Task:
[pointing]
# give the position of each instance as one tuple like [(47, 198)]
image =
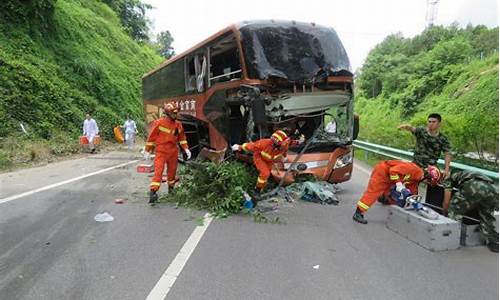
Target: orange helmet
[(169, 108), (279, 137), (434, 175)]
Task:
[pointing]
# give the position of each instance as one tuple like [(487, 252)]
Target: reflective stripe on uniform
[(183, 142), (266, 155), (277, 136), (150, 144), (362, 205), (277, 156), (244, 147), (154, 183), (407, 177), (165, 129), (260, 180), (394, 177)]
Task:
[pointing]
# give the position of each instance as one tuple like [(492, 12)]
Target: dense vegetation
[(60, 59), (450, 70)]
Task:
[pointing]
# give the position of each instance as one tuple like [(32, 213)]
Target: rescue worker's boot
[(358, 216), (153, 197), (383, 200), (493, 246), (256, 196)]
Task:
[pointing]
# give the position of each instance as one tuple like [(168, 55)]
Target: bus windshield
[(297, 52)]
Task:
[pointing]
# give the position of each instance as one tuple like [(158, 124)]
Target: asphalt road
[(51, 247)]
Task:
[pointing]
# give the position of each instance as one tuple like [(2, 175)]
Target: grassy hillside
[(59, 60), (451, 71)]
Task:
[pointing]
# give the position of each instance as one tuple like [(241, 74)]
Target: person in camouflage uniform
[(430, 143), (473, 191)]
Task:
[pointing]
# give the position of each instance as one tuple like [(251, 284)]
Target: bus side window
[(196, 69), (224, 60), (190, 74)]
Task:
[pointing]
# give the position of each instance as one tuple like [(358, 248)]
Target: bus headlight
[(343, 161), (302, 166)]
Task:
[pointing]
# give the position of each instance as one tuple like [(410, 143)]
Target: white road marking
[(14, 197), (167, 280)]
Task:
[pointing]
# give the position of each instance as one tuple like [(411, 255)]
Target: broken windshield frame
[(327, 139), (338, 123)]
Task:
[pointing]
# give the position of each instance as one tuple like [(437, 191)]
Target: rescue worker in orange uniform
[(405, 175), (265, 153), (166, 133)]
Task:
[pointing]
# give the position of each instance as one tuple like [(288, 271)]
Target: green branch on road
[(217, 188)]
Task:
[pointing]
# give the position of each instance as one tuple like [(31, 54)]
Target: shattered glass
[(317, 191), (298, 52)]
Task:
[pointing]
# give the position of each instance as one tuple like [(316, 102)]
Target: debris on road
[(221, 190), (119, 201), (248, 203), (104, 217), (318, 192)]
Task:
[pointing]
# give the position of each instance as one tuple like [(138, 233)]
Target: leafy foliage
[(450, 70), (217, 188), (34, 14), (132, 15), (163, 44), (86, 64)]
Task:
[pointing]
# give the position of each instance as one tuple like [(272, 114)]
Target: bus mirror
[(355, 126)]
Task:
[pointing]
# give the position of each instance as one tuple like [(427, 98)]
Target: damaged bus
[(251, 78)]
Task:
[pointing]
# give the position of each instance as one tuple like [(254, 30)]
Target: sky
[(360, 24)]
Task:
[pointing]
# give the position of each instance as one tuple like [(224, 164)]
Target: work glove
[(235, 147), (188, 154), (146, 154), (399, 186)]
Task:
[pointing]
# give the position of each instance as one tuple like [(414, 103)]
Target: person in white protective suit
[(130, 129), (90, 130)]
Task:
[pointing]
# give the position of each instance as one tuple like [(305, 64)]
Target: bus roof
[(192, 49), (254, 24)]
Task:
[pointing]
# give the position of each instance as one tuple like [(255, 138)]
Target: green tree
[(132, 15), (163, 44), (450, 70)]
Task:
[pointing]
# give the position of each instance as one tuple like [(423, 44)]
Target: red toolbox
[(145, 168)]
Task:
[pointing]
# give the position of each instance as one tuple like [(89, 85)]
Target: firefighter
[(165, 135), (404, 175), (265, 153)]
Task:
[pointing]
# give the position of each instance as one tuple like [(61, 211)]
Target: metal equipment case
[(435, 235)]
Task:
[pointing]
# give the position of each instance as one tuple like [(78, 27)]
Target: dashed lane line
[(167, 280)]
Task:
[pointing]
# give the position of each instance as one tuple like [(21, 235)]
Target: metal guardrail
[(407, 155)]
